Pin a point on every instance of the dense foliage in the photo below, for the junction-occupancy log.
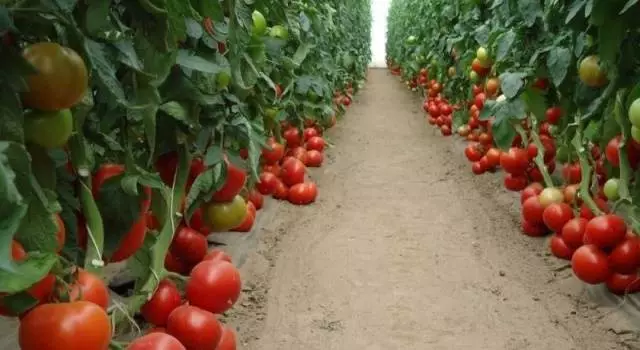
(534, 84)
(128, 132)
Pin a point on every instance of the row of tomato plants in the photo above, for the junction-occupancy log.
(134, 132)
(534, 87)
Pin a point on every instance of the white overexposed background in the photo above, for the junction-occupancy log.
(380, 10)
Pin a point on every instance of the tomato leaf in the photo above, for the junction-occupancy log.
(205, 185)
(189, 60)
(535, 102)
(26, 272)
(503, 133)
(530, 11)
(19, 302)
(511, 83)
(104, 70)
(504, 43)
(558, 62)
(627, 6)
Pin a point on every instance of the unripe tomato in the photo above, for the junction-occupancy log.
(611, 189)
(48, 129)
(61, 79)
(551, 195)
(249, 219)
(259, 27)
(634, 113)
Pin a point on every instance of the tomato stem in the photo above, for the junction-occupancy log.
(625, 167)
(95, 228)
(585, 193)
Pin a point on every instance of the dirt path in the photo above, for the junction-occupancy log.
(406, 249)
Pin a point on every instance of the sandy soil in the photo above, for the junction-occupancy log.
(407, 249)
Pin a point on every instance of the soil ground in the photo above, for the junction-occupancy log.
(407, 249)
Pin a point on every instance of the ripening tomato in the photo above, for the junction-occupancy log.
(485, 139)
(267, 183)
(532, 210)
(590, 72)
(249, 219)
(515, 161)
(314, 159)
(556, 215)
(515, 182)
(551, 195)
(234, 181)
(303, 193)
(89, 287)
(590, 265)
(189, 245)
(316, 143)
(492, 86)
(559, 248)
(299, 153)
(194, 327)
(293, 171)
(225, 216)
(61, 77)
(274, 152)
(621, 284)
(165, 299)
(156, 341)
(214, 286)
(292, 137)
(625, 257)
(571, 194)
(217, 254)
(605, 231)
(532, 190)
(78, 325)
(228, 339)
(573, 232)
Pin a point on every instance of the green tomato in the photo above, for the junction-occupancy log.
(411, 39)
(483, 56)
(473, 76)
(611, 189)
(635, 133)
(259, 24)
(271, 113)
(222, 80)
(634, 113)
(279, 32)
(48, 129)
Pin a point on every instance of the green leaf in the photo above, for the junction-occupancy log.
(535, 102)
(504, 42)
(627, 6)
(610, 38)
(511, 83)
(503, 134)
(301, 53)
(6, 23)
(27, 272)
(105, 71)
(191, 61)
(204, 186)
(194, 29)
(558, 62)
(530, 11)
(176, 110)
(575, 7)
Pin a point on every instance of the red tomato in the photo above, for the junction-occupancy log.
(621, 284)
(281, 191)
(214, 285)
(89, 287)
(244, 153)
(553, 115)
(473, 152)
(559, 248)
(256, 198)
(156, 341)
(585, 211)
(303, 193)
(478, 168)
(272, 168)
(234, 181)
(189, 245)
(247, 223)
(605, 231)
(293, 172)
(217, 254)
(445, 130)
(228, 339)
(532, 230)
(273, 153)
(174, 264)
(532, 151)
(625, 257)
(573, 232)
(515, 182)
(165, 299)
(556, 215)
(493, 157)
(78, 325)
(267, 183)
(195, 328)
(572, 173)
(515, 161)
(479, 100)
(314, 159)
(316, 143)
(292, 136)
(532, 210)
(590, 264)
(299, 153)
(197, 223)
